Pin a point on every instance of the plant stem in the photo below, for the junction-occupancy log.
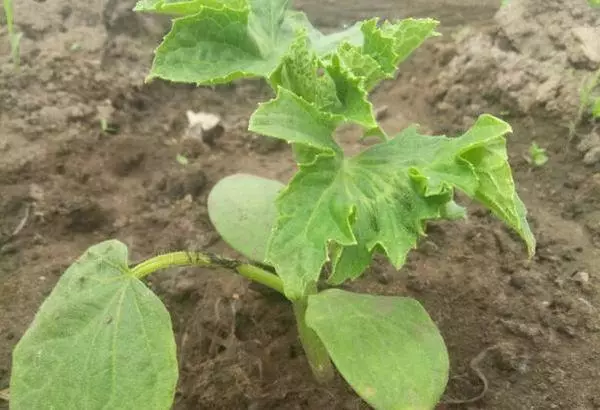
(316, 353)
(169, 260)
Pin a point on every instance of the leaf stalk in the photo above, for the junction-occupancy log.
(183, 258)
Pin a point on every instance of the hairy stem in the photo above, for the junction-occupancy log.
(316, 353)
(169, 260)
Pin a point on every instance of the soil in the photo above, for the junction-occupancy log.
(533, 326)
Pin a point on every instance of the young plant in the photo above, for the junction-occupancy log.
(588, 102)
(102, 339)
(596, 108)
(15, 38)
(106, 127)
(537, 155)
(182, 159)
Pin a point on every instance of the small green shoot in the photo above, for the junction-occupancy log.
(537, 155)
(588, 102)
(105, 340)
(596, 108)
(14, 37)
(182, 160)
(106, 127)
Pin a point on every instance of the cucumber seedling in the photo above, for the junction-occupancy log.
(103, 340)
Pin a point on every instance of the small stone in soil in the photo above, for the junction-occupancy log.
(36, 193)
(204, 126)
(581, 277)
(592, 156)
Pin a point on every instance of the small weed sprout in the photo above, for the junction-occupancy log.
(14, 37)
(106, 127)
(182, 160)
(537, 155)
(589, 104)
(596, 108)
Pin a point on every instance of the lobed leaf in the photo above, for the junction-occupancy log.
(218, 42)
(381, 198)
(387, 348)
(101, 340)
(216, 46)
(242, 209)
(384, 47)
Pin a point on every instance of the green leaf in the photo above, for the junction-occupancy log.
(326, 44)
(215, 44)
(293, 119)
(337, 81)
(101, 340)
(350, 90)
(183, 7)
(362, 65)
(220, 45)
(380, 199)
(182, 159)
(242, 209)
(331, 87)
(303, 73)
(408, 35)
(387, 348)
(537, 155)
(387, 45)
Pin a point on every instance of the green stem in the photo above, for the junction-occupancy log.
(8, 12)
(169, 260)
(316, 353)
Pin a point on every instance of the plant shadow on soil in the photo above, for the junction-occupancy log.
(237, 347)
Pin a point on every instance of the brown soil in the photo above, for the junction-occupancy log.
(537, 322)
